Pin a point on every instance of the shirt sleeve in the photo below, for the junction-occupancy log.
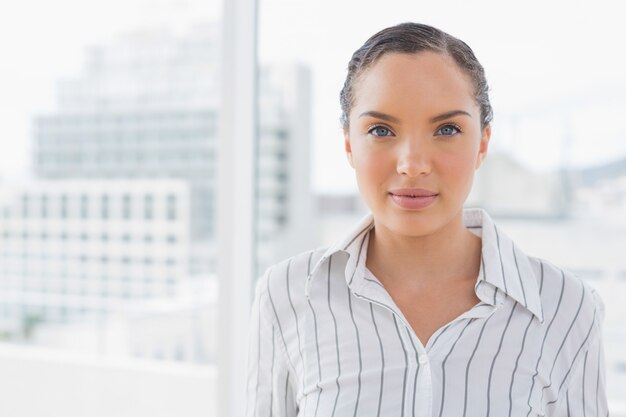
(586, 392)
(269, 380)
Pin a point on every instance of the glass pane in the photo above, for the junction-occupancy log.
(555, 175)
(107, 203)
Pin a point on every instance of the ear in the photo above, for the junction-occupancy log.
(347, 146)
(484, 146)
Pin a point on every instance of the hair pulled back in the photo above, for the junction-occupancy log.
(412, 38)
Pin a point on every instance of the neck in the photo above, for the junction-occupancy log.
(449, 255)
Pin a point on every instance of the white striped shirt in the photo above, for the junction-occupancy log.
(327, 340)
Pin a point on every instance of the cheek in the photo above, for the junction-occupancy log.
(460, 167)
(372, 168)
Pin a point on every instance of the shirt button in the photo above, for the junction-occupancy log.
(423, 359)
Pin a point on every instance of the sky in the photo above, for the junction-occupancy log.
(555, 68)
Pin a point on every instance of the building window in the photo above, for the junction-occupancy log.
(171, 207)
(25, 202)
(44, 206)
(126, 206)
(104, 206)
(64, 206)
(84, 211)
(148, 209)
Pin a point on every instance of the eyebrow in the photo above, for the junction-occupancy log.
(389, 118)
(381, 116)
(448, 115)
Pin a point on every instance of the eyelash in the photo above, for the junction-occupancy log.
(373, 128)
(458, 129)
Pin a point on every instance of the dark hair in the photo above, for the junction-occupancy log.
(412, 38)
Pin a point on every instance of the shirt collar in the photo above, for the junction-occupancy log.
(504, 266)
(351, 245)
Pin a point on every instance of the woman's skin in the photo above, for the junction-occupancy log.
(415, 128)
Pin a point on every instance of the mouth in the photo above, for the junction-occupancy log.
(413, 198)
(413, 192)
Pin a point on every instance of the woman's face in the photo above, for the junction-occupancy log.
(415, 140)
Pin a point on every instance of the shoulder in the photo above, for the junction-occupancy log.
(567, 301)
(284, 281)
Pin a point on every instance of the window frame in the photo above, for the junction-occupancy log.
(237, 160)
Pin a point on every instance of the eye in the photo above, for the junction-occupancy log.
(448, 130)
(380, 131)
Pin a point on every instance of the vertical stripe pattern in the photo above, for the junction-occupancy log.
(327, 339)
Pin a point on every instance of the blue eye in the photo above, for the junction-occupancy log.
(448, 130)
(380, 131)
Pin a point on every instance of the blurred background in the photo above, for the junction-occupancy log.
(109, 115)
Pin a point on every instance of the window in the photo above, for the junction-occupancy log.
(64, 208)
(25, 206)
(171, 207)
(108, 166)
(44, 206)
(126, 207)
(148, 211)
(84, 206)
(104, 207)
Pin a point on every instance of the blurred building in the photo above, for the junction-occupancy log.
(99, 252)
(601, 192)
(179, 329)
(147, 106)
(74, 250)
(285, 204)
(507, 189)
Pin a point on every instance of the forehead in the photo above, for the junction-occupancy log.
(427, 82)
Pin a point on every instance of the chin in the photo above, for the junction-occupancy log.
(412, 224)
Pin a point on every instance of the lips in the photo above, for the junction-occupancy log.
(412, 192)
(413, 198)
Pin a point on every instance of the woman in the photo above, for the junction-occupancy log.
(425, 309)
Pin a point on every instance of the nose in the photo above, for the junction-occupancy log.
(414, 159)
